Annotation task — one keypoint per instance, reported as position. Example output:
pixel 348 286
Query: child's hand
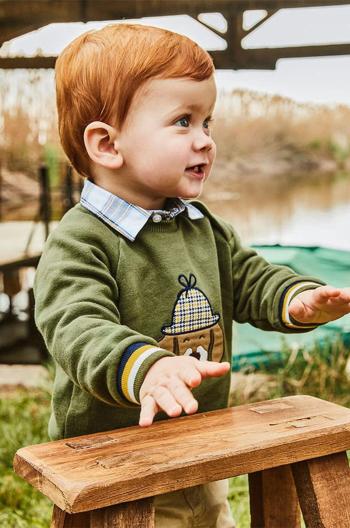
pixel 320 305
pixel 168 383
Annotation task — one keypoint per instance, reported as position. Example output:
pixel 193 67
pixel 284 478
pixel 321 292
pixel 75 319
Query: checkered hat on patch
pixel 192 310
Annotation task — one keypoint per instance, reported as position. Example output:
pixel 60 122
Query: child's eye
pixel 183 121
pixel 207 122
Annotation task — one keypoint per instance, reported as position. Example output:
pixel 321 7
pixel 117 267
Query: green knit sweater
pixel 108 308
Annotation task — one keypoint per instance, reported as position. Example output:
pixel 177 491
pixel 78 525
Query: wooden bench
pixel 292 448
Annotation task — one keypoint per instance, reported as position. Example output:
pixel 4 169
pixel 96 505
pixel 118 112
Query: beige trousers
pixel 204 506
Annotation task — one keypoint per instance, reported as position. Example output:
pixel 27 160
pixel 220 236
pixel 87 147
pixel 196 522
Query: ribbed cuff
pixel 288 296
pixel 136 360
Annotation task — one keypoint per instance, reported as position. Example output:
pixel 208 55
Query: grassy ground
pixel 23 421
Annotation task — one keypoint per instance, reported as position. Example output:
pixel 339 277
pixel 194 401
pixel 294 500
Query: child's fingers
pixel 176 396
pixel 330 292
pixel 343 296
pixel 325 292
pixel 160 399
pixel 328 296
pixel 193 376
pixel 183 395
pixel 190 376
pixel 212 368
pixel 148 411
pixel 166 401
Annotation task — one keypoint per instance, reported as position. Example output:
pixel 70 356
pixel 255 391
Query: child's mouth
pixel 197 171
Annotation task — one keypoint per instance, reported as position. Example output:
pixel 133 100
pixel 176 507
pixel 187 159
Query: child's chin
pixel 191 196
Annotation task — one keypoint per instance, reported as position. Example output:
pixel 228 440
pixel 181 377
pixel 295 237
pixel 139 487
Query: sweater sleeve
pixel 262 291
pixel 76 310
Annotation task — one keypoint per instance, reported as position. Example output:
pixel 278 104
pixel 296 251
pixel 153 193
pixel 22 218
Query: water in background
pixel 310 211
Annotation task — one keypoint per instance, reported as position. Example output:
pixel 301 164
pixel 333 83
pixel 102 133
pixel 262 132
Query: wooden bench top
pixel 128 464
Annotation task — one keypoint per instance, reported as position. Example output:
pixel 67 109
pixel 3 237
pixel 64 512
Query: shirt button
pixel 157 218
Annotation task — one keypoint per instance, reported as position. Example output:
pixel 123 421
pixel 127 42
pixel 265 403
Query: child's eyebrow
pixel 186 107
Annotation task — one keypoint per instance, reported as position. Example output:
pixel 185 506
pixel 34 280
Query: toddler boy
pixel 137 287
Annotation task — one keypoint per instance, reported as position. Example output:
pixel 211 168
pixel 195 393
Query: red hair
pixel 99 73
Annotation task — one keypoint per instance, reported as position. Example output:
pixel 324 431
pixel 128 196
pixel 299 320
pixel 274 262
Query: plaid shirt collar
pixel 126 218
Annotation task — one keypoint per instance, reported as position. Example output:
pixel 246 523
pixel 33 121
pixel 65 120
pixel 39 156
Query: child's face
pixel 165 141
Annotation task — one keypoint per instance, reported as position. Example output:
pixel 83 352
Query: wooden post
pixel 323 488
pixel 68 189
pixel 62 519
pixel 273 499
pixel 45 198
pixel 138 514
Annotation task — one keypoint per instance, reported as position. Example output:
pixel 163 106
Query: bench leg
pixel 62 519
pixel 323 486
pixel 138 514
pixel 273 499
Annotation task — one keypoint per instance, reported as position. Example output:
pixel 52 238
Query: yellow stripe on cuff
pixel 127 388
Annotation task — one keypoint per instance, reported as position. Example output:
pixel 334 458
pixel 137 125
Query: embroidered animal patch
pixel 194 329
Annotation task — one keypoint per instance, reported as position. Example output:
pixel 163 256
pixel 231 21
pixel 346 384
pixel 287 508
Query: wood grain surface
pixel 62 519
pixel 99 470
pixel 323 486
pixel 273 499
pixel 139 514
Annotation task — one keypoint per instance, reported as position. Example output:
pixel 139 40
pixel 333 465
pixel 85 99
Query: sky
pixel 317 80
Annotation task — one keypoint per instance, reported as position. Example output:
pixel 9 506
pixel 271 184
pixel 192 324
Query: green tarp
pixel 253 347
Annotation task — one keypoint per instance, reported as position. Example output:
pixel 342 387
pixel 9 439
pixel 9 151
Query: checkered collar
pixel 126 218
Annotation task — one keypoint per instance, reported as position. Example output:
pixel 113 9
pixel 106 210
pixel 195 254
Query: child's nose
pixel 202 141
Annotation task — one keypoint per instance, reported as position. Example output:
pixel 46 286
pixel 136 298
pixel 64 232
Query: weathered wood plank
pixel 256 503
pixel 18 17
pixel 263 58
pixel 133 463
pixel 62 519
pixel 323 486
pixel 273 499
pixel 138 514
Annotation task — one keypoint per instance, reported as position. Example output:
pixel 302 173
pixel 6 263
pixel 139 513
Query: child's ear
pixel 102 146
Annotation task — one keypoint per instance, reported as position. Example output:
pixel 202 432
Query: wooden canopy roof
pixel 21 16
